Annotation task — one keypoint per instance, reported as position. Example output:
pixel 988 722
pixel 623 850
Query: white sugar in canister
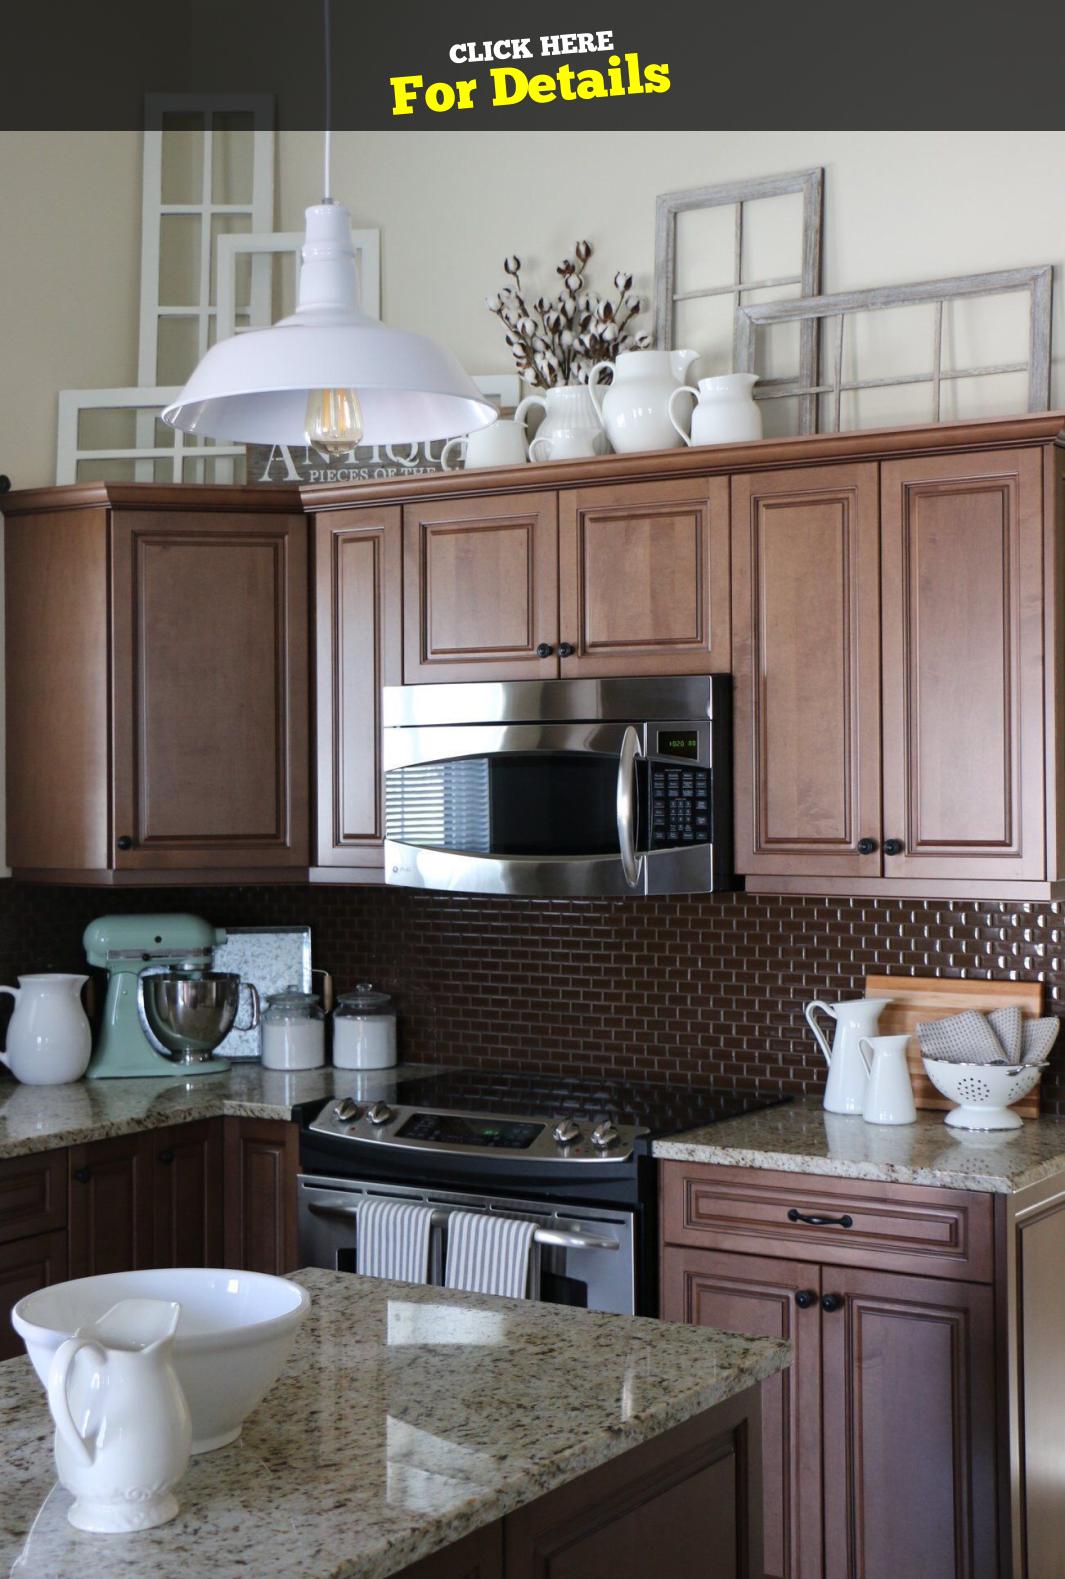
pixel 364 1029
pixel 292 1031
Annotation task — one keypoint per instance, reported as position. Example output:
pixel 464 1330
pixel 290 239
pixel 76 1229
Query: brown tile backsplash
pixel 708 988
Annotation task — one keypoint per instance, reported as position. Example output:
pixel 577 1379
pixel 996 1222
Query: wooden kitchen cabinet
pixel 159 721
pixel 963 722
pixel 481 588
pixel 25 1266
pixel 187 1200
pixel 358 619
pixel 644 578
pixel 111 1207
pixel 806 659
pixel 261 1166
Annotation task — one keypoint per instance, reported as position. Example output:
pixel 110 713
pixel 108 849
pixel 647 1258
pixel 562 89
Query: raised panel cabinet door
pixel 480 580
pixel 909 1427
pixel 644 578
pixel 261 1165
pixel 768 1298
pixel 111 1206
pixel 358 614
pixel 964 773
pixel 25 1266
pixel 210 690
pixel 187 1194
pixel 806 657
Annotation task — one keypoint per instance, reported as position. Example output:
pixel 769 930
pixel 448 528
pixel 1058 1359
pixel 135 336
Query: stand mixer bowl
pixel 190 1012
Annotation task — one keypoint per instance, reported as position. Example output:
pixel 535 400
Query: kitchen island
pixel 444 1434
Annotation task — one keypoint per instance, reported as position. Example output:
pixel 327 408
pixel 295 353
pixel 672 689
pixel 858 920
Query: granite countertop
pixel 800 1137
pixel 40 1118
pixel 407 1417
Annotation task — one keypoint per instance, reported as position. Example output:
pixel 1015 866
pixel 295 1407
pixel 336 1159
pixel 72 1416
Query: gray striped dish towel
pixel 393 1240
pixel 487 1254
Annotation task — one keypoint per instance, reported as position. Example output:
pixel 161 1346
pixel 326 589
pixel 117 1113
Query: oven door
pixel 534 809
pixel 585 1256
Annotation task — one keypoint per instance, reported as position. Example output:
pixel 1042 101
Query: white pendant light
pixel 329 375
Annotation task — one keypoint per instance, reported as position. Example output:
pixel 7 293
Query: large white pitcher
pixel 635 408
pixel 848 1075
pixel 49 1039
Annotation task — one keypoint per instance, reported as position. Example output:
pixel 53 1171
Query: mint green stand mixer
pixel 166 1010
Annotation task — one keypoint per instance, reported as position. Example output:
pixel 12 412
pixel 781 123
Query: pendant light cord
pixel 327 194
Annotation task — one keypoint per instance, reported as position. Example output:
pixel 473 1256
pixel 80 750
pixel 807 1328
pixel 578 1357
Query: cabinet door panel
pixel 358 558
pixel 110 1214
pixel 963 665
pixel 209 627
pixel 187 1173
pixel 644 578
pixel 805 552
pixel 909 1431
pixel 25 1266
pixel 755 1295
pixel 261 1164
pixel 481 588
pixel 33 1194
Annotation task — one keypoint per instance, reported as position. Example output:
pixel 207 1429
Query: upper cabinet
pixel 158 687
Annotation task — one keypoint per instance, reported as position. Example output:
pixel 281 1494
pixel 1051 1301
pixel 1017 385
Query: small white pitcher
pixel 123 1432
pixel 889 1094
pixel 725 410
pixel 571 428
pixel 49 1039
pixel 848 1075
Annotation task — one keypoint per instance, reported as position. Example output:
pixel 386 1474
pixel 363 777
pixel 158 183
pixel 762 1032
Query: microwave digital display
pixel 677 743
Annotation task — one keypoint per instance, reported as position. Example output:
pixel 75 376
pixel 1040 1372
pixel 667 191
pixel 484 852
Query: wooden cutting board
pixel 918 998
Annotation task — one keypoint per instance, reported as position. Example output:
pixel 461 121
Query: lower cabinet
pixel 25 1266
pixel 187 1197
pixel 110 1224
pixel 880 1442
pixel 261 1164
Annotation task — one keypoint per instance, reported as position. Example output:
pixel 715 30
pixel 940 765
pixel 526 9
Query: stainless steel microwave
pixel 560 787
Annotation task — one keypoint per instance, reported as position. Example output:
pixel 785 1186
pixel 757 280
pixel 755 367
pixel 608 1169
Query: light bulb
pixel 334 420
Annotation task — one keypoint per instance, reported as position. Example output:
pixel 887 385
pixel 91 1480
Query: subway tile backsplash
pixel 708 988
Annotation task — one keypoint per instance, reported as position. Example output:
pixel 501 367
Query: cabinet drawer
pixel 33 1194
pixel 940 1233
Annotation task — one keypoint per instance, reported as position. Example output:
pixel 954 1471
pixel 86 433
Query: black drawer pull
pixel 893 847
pixel 815 1221
pixel 166 1158
pixel 832 1302
pixel 566 649
pixel 544 649
pixel 805 1298
pixel 83 1175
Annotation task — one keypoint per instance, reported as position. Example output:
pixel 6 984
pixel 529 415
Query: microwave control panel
pixel 680 805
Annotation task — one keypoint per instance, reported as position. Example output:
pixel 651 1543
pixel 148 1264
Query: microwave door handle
pixel 626 805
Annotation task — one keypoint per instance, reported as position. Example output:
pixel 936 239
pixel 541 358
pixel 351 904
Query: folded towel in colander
pixel 960 1039
pixel 1038 1038
pixel 1008 1025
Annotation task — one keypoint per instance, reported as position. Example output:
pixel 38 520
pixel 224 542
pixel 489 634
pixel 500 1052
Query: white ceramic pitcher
pixel 725 411
pixel 571 428
pixel 123 1433
pixel 49 1039
pixel 848 1075
pixel 635 408
pixel 889 1093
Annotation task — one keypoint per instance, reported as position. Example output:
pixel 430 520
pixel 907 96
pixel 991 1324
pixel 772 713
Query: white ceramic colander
pixel 984 1092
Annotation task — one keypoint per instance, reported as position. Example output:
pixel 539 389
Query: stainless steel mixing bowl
pixel 191 1012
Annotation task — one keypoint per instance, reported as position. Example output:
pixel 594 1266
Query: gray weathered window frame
pixel 814 310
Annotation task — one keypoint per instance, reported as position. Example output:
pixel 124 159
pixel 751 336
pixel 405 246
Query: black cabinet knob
pixel 166 1158
pixel 124 842
pixel 83 1175
pixel 831 1302
pixel 544 650
pixel 566 649
pixel 805 1298
pixel 865 846
pixel 893 846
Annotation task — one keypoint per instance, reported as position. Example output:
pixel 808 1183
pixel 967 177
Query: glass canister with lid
pixel 364 1029
pixel 292 1031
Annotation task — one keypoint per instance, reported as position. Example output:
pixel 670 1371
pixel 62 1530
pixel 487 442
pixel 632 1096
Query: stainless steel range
pixel 573 1155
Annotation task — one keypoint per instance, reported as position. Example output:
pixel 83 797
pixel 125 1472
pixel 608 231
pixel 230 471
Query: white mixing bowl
pixel 985 1092
pixel 233 1337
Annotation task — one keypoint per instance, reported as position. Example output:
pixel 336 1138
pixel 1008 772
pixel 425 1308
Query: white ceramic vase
pixel 571 428
pixel 725 412
pixel 123 1432
pixel 49 1039
pixel 635 408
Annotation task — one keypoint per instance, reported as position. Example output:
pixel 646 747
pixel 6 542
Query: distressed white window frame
pixel 811 312
pixel 810 184
pixel 262 249
pixel 147 404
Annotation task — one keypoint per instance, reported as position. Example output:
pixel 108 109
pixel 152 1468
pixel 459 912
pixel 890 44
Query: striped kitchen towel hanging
pixel 487 1254
pixel 392 1240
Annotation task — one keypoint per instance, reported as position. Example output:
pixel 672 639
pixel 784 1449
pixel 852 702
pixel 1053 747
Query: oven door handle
pixel 626 805
pixel 562 1238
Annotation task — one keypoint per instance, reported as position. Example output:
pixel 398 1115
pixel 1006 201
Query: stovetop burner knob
pixel 604 1135
pixel 379 1113
pixel 566 1132
pixel 347 1111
